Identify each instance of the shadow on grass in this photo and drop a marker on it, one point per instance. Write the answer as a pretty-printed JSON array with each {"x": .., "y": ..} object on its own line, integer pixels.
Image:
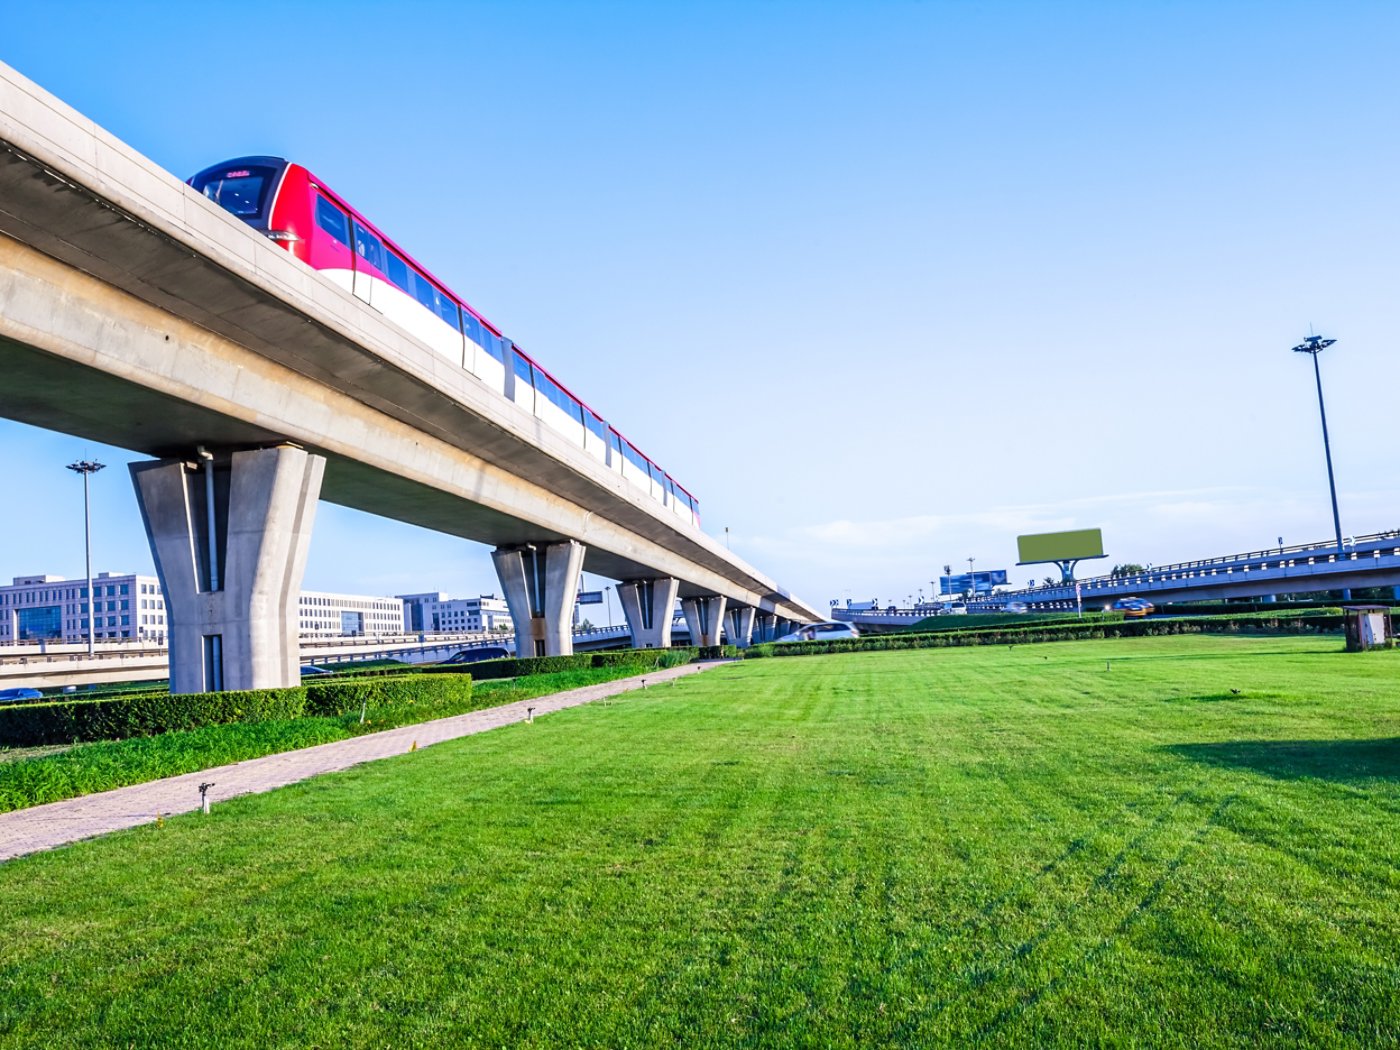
[{"x": 1340, "y": 760}]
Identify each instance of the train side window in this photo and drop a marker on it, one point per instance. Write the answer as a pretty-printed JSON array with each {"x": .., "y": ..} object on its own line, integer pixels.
[
  {"x": 397, "y": 270},
  {"x": 368, "y": 248},
  {"x": 422, "y": 290},
  {"x": 332, "y": 220},
  {"x": 493, "y": 346},
  {"x": 473, "y": 328},
  {"x": 446, "y": 309}
]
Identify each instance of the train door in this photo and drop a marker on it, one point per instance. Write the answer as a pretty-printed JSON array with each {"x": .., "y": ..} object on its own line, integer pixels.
[{"x": 369, "y": 264}]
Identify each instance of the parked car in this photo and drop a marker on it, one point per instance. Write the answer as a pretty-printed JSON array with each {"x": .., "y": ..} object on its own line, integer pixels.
[
  {"x": 1133, "y": 607},
  {"x": 824, "y": 631},
  {"x": 312, "y": 669},
  {"x": 8, "y": 695},
  {"x": 1017, "y": 607},
  {"x": 481, "y": 652}
]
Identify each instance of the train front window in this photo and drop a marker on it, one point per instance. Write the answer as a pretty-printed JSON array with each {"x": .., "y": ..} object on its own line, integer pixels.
[{"x": 242, "y": 191}]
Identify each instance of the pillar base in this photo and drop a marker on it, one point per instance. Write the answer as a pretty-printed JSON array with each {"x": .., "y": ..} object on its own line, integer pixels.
[
  {"x": 649, "y": 606},
  {"x": 540, "y": 582},
  {"x": 705, "y": 618},
  {"x": 230, "y": 535},
  {"x": 739, "y": 625}
]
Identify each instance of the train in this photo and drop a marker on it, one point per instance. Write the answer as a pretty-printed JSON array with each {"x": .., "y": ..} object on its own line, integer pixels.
[{"x": 295, "y": 209}]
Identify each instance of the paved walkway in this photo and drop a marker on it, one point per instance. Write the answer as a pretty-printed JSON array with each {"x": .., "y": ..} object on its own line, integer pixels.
[{"x": 58, "y": 823}]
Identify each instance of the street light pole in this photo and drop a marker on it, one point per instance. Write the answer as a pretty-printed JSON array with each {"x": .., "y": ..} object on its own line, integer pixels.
[
  {"x": 88, "y": 467},
  {"x": 971, "y": 579},
  {"x": 1314, "y": 345}
]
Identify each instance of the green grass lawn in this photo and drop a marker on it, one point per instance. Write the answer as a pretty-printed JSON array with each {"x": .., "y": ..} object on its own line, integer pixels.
[
  {"x": 35, "y": 775},
  {"x": 1184, "y": 842}
]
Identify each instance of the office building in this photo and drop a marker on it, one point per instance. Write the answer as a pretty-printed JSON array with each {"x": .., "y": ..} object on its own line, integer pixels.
[
  {"x": 325, "y": 615},
  {"x": 436, "y": 612},
  {"x": 125, "y": 605},
  {"x": 129, "y": 607}
]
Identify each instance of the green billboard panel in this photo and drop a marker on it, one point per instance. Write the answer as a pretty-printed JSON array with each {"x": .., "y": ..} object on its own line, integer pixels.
[{"x": 1060, "y": 546}]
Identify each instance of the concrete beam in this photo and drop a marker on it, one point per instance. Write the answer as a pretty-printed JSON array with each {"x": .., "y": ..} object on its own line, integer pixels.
[
  {"x": 540, "y": 582},
  {"x": 649, "y": 606},
  {"x": 739, "y": 625},
  {"x": 229, "y": 536},
  {"x": 705, "y": 618}
]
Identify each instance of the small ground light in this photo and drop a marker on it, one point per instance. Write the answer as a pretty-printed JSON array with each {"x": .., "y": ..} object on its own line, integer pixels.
[
  {"x": 204, "y": 795},
  {"x": 530, "y": 715}
]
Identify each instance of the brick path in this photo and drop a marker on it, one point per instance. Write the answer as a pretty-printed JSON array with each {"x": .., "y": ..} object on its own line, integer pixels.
[{"x": 58, "y": 823}]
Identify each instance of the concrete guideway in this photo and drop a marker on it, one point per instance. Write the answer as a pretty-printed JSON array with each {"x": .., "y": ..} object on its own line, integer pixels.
[
  {"x": 59, "y": 823},
  {"x": 137, "y": 313}
]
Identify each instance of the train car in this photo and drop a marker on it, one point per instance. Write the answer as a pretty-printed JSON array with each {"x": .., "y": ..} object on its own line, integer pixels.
[{"x": 292, "y": 207}]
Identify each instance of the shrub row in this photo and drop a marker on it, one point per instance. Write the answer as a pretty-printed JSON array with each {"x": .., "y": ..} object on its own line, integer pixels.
[
  {"x": 142, "y": 714},
  {"x": 149, "y": 714},
  {"x": 394, "y": 692},
  {"x": 1246, "y": 608},
  {"x": 1063, "y": 632},
  {"x": 972, "y": 621},
  {"x": 642, "y": 659}
]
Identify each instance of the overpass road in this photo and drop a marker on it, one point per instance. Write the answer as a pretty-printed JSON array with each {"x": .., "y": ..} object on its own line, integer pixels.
[
  {"x": 1365, "y": 561},
  {"x": 135, "y": 312}
]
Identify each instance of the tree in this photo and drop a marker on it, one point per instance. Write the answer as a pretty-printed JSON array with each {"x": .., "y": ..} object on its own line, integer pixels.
[{"x": 1128, "y": 568}]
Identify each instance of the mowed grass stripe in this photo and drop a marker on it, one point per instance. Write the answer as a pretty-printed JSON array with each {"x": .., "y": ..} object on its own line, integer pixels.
[{"x": 957, "y": 847}]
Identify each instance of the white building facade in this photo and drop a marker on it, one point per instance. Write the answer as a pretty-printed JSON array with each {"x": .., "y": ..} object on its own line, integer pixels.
[
  {"x": 323, "y": 615},
  {"x": 125, "y": 606},
  {"x": 130, "y": 607},
  {"x": 436, "y": 612}
]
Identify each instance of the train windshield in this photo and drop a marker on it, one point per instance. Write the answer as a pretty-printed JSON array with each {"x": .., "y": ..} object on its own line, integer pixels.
[{"x": 242, "y": 191}]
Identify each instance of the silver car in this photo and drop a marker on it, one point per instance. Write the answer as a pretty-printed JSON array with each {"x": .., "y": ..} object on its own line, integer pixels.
[{"x": 824, "y": 631}]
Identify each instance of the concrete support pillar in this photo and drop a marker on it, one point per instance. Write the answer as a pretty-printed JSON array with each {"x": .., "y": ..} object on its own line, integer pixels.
[
  {"x": 229, "y": 534},
  {"x": 762, "y": 626},
  {"x": 1346, "y": 594},
  {"x": 739, "y": 625},
  {"x": 649, "y": 606},
  {"x": 705, "y": 618},
  {"x": 540, "y": 582}
]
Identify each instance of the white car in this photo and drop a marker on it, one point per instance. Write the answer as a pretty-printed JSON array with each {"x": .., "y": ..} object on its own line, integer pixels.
[{"x": 825, "y": 631}]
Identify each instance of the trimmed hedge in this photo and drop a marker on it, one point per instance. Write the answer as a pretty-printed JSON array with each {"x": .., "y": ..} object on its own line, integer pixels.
[
  {"x": 142, "y": 714},
  {"x": 1264, "y": 623},
  {"x": 642, "y": 659},
  {"x": 974, "y": 621},
  {"x": 425, "y": 691}
]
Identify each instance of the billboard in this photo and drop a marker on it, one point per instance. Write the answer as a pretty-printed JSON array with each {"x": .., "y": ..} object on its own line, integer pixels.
[
  {"x": 980, "y": 582},
  {"x": 590, "y": 597},
  {"x": 1059, "y": 546}
]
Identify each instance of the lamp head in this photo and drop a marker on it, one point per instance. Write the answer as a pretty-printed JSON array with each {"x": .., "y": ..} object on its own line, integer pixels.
[{"x": 1313, "y": 344}]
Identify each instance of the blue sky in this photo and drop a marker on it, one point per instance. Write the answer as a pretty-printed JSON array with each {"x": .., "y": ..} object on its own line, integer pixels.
[{"x": 883, "y": 284}]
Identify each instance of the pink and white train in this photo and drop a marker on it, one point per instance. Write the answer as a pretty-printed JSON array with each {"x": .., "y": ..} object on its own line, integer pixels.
[{"x": 295, "y": 209}]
